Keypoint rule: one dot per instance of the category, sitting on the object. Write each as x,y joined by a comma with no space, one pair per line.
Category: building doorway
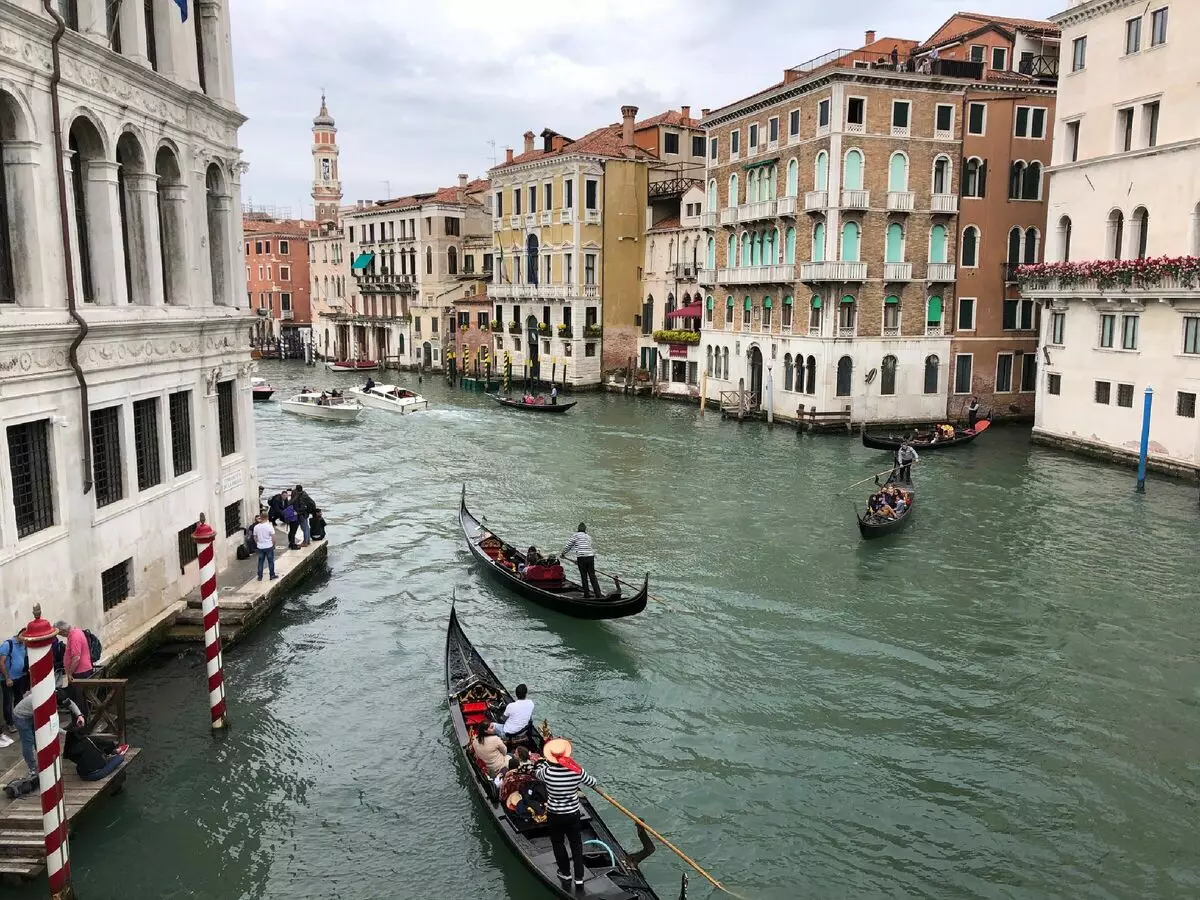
756,375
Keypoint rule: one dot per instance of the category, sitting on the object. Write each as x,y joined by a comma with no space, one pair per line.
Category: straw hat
556,749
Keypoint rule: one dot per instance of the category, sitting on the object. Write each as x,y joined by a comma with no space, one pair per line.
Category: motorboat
322,406
261,389
389,396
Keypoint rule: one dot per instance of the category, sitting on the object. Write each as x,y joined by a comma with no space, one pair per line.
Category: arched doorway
531,259
427,355
756,375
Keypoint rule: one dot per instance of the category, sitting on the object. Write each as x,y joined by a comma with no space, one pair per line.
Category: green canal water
999,703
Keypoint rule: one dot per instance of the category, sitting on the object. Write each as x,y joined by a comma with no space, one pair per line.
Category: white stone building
124,356
1124,189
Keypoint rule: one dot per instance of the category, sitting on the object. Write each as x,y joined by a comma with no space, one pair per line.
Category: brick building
277,281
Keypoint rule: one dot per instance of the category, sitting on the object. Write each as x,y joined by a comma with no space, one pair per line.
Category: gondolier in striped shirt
563,777
580,545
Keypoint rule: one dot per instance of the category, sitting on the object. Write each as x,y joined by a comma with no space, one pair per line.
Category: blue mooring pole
1145,448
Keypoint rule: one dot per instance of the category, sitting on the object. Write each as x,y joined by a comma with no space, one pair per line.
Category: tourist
77,656
553,395
264,542
94,758
585,557
15,671
532,558
293,522
304,506
900,505
906,457
316,526
517,715
23,717
973,413
562,777
490,749
276,505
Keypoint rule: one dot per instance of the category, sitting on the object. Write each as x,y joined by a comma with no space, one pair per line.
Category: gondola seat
474,713
545,576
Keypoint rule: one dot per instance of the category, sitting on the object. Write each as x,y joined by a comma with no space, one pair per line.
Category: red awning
692,311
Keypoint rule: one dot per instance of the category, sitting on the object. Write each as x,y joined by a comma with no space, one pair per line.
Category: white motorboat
390,396
261,390
316,406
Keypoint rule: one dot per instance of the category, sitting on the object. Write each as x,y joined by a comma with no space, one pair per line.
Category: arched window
725,364
789,247
1016,180
850,242
772,183
898,172
733,190
887,376
172,227
1031,189
134,191
670,304
1032,240
1014,246
755,249
938,244
752,185
730,251
710,258
821,173
429,259
810,369
1064,238
895,243
708,361
941,175
747,242
970,247
933,315
1116,233
798,380
818,242
87,147
793,177
931,374
845,371
891,316
814,315
846,316
712,195
218,199
452,261
787,371
974,177
852,171
531,259
772,257
1141,230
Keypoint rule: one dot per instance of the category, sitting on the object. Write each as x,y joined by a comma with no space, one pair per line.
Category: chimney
628,113
508,154
462,188
686,111
529,142
870,37
558,142
704,112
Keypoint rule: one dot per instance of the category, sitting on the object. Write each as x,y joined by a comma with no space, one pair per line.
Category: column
235,246
104,230
180,56
219,208
29,247
132,21
200,271
145,254
93,20
216,76
176,242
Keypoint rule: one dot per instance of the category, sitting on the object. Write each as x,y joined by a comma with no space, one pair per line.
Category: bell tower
327,187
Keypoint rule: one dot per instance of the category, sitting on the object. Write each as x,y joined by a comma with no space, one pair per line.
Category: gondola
612,872
871,527
923,442
533,407
562,595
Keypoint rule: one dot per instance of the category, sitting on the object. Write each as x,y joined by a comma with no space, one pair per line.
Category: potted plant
593,331
497,325
564,330
514,327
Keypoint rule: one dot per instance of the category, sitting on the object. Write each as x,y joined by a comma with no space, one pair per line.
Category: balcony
786,207
591,216
837,270
593,331
940,273
502,291
709,220
943,134
591,290
676,336
531,220
684,273
757,275
816,201
497,224
566,216
933,329
900,201
546,217
287,314
386,284
1009,271
752,212
897,271
707,276
891,331
845,331
1161,278
856,199
514,221
1041,67
566,332
900,131
729,215
944,203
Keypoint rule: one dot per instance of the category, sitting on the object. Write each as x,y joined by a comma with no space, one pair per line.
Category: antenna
387,186
492,144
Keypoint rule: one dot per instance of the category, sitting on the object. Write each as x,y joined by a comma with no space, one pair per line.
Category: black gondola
612,873
893,442
872,526
563,595
533,407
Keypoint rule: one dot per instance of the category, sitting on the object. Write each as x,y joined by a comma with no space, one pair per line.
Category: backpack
94,646
289,514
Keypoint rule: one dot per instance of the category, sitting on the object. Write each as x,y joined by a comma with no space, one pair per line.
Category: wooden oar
687,859
857,483
651,596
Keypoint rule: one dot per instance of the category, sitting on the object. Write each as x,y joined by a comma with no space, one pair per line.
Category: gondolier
973,413
585,557
905,457
562,777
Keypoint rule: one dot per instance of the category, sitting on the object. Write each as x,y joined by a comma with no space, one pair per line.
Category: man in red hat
562,777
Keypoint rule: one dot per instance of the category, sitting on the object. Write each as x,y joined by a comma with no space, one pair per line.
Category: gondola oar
651,596
687,859
864,481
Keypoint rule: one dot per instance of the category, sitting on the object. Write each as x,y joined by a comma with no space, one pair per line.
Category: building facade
1121,289
124,329
329,267
277,282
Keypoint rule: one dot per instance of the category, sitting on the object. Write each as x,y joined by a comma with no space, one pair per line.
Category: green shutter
710,302
729,301
816,302
787,301
935,309
847,299
766,302
892,301
748,303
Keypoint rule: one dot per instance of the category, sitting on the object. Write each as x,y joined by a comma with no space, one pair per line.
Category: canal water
999,703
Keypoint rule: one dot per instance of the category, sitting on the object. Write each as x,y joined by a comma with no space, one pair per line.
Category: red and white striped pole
39,638
204,536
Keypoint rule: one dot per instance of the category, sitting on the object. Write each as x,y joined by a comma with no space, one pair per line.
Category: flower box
514,327
674,336
1113,274
592,331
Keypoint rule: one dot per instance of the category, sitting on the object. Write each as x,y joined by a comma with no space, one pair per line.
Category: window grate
225,418
106,455
233,518
189,550
1125,395
145,443
115,584
181,431
29,464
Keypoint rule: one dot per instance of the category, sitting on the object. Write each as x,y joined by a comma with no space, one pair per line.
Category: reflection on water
1001,702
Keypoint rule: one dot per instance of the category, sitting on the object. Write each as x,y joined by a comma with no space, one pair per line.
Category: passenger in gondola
532,558
490,749
901,505
517,715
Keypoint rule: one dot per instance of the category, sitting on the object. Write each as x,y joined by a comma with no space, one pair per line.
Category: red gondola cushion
474,713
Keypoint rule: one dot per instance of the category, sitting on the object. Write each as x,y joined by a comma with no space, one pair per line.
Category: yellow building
569,224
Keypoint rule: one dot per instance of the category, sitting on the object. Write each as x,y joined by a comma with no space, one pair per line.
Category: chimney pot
628,114
529,142
686,111
705,111
508,154
870,36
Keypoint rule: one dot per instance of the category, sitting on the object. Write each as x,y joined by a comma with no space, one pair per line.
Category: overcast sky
418,89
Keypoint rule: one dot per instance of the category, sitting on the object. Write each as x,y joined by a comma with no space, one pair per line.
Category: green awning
816,302
847,299
892,301
362,261
766,302
709,302
761,163
729,301
748,303
935,309
787,301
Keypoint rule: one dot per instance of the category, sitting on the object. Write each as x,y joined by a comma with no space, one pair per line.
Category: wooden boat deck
22,846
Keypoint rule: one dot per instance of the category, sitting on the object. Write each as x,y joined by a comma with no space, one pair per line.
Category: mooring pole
1144,451
211,609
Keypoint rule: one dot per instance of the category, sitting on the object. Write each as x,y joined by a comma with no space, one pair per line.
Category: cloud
419,89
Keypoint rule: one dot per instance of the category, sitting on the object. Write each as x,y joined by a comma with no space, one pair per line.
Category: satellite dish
871,375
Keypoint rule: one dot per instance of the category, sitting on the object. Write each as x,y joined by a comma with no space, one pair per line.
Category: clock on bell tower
327,187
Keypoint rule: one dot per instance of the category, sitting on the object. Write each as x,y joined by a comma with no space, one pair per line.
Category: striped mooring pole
39,638
214,663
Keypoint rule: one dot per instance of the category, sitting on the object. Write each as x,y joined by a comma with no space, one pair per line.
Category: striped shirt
581,544
562,787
